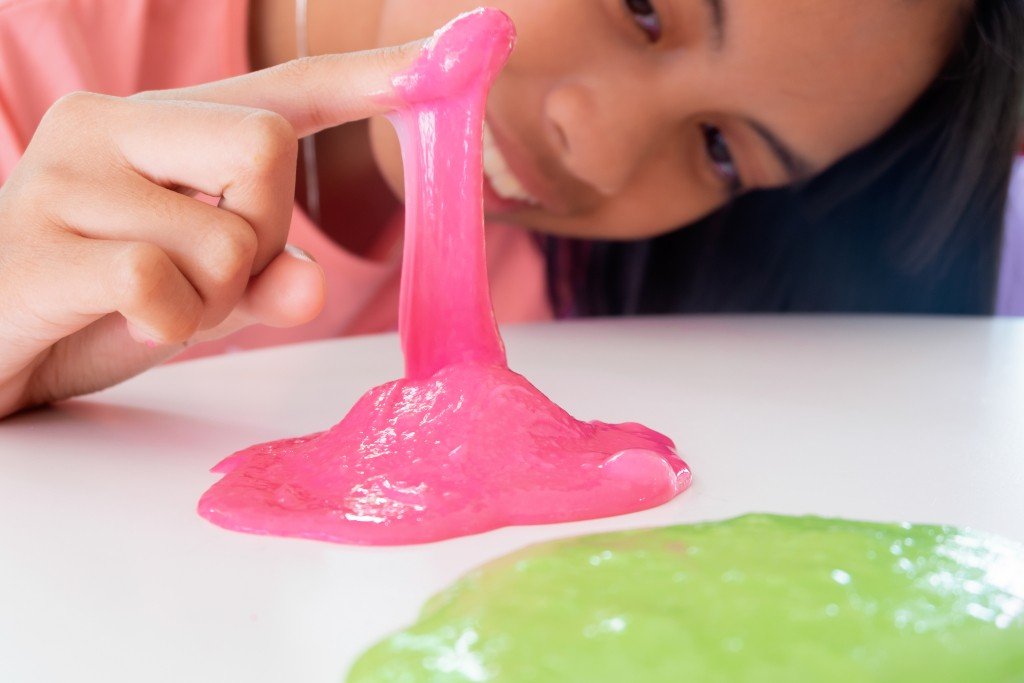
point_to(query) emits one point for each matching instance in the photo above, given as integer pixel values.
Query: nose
(601, 131)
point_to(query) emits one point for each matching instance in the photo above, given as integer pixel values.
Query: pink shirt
(52, 47)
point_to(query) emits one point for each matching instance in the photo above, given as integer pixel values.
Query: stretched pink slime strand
(445, 314)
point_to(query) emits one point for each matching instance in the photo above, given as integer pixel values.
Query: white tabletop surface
(108, 574)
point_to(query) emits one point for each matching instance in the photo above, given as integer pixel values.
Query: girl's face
(629, 118)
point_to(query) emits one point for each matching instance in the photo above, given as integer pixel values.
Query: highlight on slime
(461, 444)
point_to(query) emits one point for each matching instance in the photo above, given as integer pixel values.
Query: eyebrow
(717, 11)
(797, 167)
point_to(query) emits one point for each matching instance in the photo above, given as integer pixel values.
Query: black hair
(912, 223)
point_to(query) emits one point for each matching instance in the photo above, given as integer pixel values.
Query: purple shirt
(1010, 300)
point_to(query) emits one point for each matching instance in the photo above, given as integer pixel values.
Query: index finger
(312, 93)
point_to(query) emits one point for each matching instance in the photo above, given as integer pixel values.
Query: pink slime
(462, 444)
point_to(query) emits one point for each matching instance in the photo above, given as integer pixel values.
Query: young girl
(821, 154)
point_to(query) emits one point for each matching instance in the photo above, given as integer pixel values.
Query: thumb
(312, 93)
(290, 291)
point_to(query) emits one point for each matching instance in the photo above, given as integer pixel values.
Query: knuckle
(74, 102)
(306, 77)
(228, 250)
(299, 70)
(83, 117)
(146, 274)
(269, 139)
(72, 109)
(143, 270)
(181, 326)
(295, 68)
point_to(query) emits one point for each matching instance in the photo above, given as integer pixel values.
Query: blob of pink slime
(462, 445)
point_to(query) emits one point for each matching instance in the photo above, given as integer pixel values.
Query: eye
(646, 17)
(721, 158)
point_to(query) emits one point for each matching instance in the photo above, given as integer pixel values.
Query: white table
(108, 574)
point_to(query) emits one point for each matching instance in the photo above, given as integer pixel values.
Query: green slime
(760, 598)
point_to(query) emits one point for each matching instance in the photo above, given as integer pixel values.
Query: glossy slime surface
(755, 599)
(462, 444)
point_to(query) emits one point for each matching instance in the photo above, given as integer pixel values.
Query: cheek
(664, 196)
(653, 206)
(639, 214)
(387, 154)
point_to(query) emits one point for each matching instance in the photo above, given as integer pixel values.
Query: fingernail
(299, 253)
(141, 337)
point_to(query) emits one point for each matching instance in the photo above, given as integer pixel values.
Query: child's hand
(96, 222)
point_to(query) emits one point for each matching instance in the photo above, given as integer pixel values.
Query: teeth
(505, 184)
